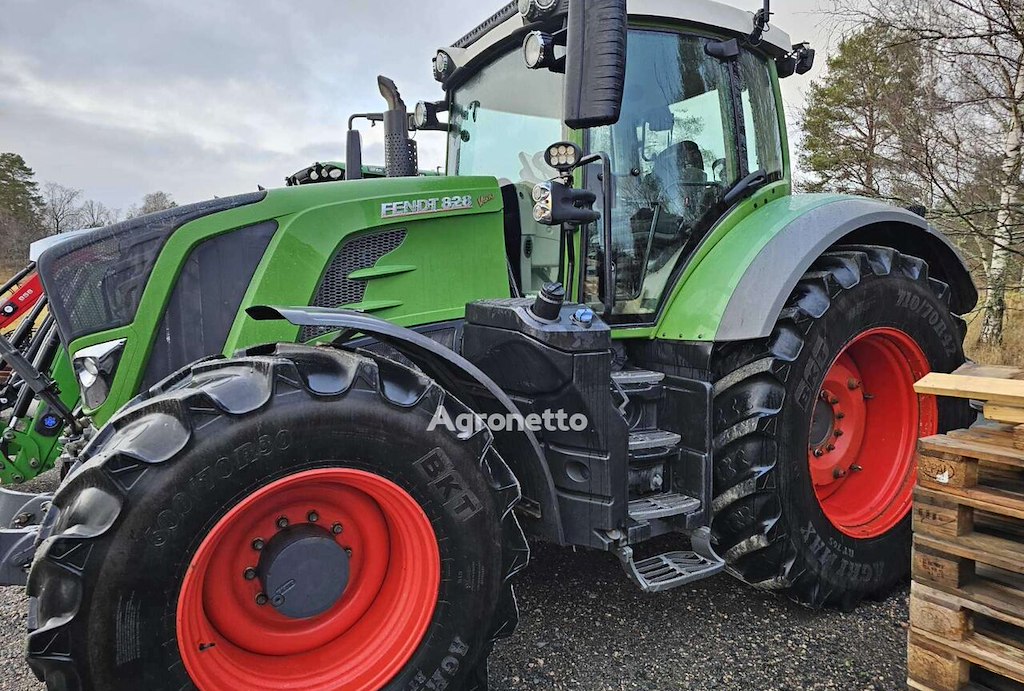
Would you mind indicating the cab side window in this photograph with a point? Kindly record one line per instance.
(760, 116)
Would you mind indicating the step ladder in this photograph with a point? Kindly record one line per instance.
(673, 569)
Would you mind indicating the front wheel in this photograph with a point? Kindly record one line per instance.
(280, 521)
(816, 428)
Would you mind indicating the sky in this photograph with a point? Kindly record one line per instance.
(209, 98)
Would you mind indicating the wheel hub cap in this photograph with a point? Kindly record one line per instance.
(303, 571)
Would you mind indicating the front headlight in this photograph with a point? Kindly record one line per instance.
(535, 10)
(543, 208)
(538, 50)
(95, 367)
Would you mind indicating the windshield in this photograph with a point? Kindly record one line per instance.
(503, 119)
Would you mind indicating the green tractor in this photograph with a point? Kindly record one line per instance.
(30, 432)
(319, 423)
(30, 440)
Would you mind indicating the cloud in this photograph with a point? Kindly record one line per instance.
(123, 97)
(200, 99)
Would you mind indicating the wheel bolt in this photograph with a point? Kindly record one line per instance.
(818, 453)
(856, 468)
(869, 397)
(337, 528)
(839, 473)
(853, 384)
(833, 400)
(838, 433)
(348, 551)
(313, 517)
(258, 544)
(261, 599)
(830, 447)
(282, 522)
(840, 416)
(249, 574)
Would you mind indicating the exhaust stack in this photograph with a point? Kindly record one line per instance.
(401, 158)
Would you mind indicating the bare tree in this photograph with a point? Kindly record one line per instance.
(96, 215)
(61, 211)
(152, 203)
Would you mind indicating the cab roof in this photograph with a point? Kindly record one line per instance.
(709, 14)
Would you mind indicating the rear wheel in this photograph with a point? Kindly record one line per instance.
(816, 428)
(280, 521)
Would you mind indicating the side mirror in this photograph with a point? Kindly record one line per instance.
(595, 70)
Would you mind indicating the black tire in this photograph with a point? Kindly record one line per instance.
(767, 522)
(126, 522)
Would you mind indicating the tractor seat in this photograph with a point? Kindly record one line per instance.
(680, 163)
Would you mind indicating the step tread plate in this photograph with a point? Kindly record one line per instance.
(653, 439)
(662, 506)
(672, 569)
(637, 376)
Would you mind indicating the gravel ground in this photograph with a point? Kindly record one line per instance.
(585, 626)
(14, 672)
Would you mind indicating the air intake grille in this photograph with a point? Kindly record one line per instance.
(336, 289)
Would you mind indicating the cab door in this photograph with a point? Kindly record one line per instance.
(693, 125)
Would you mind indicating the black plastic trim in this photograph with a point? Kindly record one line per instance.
(204, 303)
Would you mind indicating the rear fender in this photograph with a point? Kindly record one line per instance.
(740, 286)
(521, 450)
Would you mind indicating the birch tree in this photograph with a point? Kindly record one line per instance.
(1005, 236)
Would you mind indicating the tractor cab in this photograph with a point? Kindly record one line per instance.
(700, 128)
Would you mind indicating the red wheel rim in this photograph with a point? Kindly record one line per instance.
(228, 641)
(864, 431)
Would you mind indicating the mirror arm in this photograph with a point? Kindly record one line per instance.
(373, 118)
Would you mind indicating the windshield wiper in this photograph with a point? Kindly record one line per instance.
(745, 187)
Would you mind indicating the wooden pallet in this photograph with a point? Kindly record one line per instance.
(967, 600)
(1001, 389)
(955, 643)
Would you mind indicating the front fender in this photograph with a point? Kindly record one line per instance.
(521, 450)
(739, 287)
